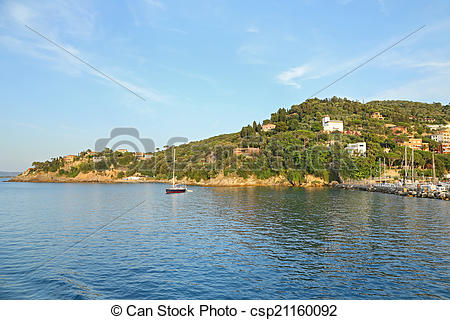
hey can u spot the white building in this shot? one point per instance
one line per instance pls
(133, 178)
(332, 125)
(98, 159)
(434, 126)
(436, 137)
(443, 136)
(438, 126)
(358, 148)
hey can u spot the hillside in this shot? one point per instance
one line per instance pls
(291, 145)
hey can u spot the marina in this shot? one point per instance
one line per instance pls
(432, 191)
(431, 188)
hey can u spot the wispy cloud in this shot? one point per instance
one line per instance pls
(57, 18)
(23, 41)
(191, 75)
(426, 61)
(290, 76)
(252, 29)
(251, 54)
(147, 92)
(28, 125)
(382, 5)
(54, 57)
(154, 14)
(322, 67)
(433, 88)
(290, 38)
(430, 83)
(19, 12)
(343, 2)
(154, 3)
(442, 65)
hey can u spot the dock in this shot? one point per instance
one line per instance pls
(417, 191)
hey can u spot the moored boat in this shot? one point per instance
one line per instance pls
(175, 188)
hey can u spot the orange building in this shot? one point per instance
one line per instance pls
(69, 158)
(414, 143)
(350, 132)
(246, 151)
(399, 130)
(444, 148)
(377, 115)
(268, 127)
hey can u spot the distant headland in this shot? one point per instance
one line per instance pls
(318, 142)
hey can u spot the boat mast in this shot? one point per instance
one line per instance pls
(173, 172)
(434, 170)
(406, 166)
(379, 164)
(412, 165)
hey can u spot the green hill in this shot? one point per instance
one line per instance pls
(297, 147)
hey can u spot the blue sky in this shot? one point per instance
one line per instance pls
(204, 67)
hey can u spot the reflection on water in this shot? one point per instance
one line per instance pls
(220, 243)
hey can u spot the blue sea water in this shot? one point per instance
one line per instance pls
(132, 241)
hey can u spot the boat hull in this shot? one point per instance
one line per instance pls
(168, 190)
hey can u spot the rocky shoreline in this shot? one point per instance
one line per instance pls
(219, 181)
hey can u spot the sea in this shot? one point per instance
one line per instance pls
(132, 241)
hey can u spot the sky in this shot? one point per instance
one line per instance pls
(203, 67)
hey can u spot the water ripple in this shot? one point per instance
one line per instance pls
(220, 243)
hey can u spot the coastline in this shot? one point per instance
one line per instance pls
(219, 181)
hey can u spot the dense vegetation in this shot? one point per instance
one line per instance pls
(295, 148)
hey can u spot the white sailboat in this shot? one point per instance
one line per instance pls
(175, 188)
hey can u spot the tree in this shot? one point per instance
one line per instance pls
(316, 127)
(281, 127)
(392, 157)
(293, 124)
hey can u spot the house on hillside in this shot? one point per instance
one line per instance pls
(354, 133)
(69, 158)
(377, 115)
(446, 135)
(210, 157)
(436, 137)
(332, 125)
(268, 127)
(358, 148)
(444, 148)
(416, 144)
(122, 150)
(246, 151)
(399, 130)
(442, 136)
(139, 155)
(98, 159)
(435, 126)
